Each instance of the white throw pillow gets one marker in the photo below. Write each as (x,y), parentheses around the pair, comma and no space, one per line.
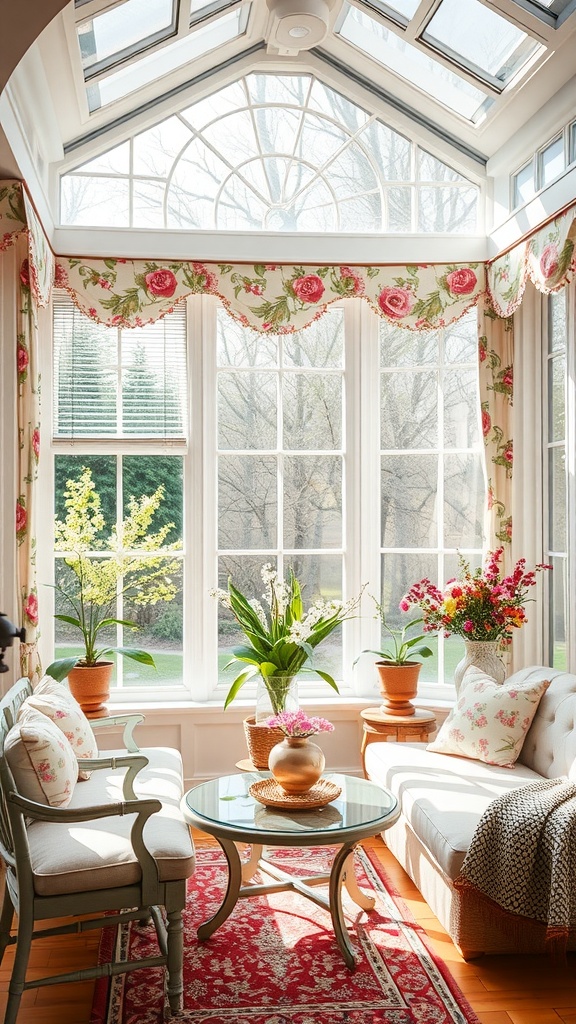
(41,759)
(490,720)
(55,700)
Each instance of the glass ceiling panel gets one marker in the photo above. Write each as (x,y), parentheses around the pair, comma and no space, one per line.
(406,8)
(154,65)
(412,64)
(480,37)
(126,27)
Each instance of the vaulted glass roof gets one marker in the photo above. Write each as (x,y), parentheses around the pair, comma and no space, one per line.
(457,77)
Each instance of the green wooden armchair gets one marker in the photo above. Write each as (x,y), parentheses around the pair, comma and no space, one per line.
(108,850)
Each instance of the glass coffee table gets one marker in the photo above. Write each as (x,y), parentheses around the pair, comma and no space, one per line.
(225,809)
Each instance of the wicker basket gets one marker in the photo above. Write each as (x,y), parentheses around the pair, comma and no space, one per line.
(260,739)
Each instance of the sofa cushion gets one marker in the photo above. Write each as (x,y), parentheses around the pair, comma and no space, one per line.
(41,759)
(489,721)
(442,797)
(58,704)
(98,854)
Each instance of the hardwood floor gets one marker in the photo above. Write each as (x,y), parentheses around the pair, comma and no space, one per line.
(502,990)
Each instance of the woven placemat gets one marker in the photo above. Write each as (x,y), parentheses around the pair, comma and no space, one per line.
(269,793)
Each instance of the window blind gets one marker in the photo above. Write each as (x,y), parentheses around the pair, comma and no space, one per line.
(119,382)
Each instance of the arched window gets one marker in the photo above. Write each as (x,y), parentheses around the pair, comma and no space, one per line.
(271,153)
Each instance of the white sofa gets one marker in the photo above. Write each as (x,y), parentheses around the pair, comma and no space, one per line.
(443,797)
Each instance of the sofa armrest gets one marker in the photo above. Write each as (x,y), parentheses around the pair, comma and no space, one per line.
(133,762)
(128,721)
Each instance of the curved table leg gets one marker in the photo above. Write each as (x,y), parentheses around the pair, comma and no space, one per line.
(230,899)
(250,866)
(356,895)
(339,863)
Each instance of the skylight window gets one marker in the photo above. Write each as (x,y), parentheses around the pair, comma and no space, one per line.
(161,62)
(124,29)
(393,52)
(405,8)
(477,37)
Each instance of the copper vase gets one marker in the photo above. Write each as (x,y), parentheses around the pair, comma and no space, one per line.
(296,764)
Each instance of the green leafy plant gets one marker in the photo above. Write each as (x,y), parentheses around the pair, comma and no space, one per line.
(402,648)
(282,638)
(91,592)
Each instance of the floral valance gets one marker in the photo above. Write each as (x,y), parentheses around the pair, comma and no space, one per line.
(270,297)
(548,258)
(17,215)
(281,298)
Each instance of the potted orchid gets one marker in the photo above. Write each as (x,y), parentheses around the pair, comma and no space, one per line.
(397,669)
(281,635)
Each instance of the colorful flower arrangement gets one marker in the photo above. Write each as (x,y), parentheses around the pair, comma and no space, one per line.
(282,637)
(480,604)
(297,723)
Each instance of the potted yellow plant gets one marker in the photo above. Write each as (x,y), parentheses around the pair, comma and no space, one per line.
(91,590)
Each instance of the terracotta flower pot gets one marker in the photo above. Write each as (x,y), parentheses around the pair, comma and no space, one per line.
(90,685)
(398,684)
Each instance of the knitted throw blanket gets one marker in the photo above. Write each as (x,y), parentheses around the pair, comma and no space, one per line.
(521,865)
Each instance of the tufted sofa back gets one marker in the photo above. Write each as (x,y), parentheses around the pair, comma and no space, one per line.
(550,744)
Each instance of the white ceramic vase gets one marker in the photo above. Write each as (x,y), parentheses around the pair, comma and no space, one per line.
(483,654)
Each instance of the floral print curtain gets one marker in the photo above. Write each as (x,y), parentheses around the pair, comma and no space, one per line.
(19,226)
(496,362)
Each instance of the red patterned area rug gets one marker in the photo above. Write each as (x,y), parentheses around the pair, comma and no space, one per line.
(275,960)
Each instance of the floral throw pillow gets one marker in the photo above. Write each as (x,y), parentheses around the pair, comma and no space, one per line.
(41,759)
(55,701)
(490,721)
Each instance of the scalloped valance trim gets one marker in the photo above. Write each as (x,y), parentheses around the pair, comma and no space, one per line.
(547,258)
(270,298)
(280,298)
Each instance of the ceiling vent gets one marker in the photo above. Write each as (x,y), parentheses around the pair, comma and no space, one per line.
(297,24)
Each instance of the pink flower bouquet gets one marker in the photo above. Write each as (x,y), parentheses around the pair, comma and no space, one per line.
(297,723)
(479,605)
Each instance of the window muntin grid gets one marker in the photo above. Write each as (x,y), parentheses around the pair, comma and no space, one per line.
(276,153)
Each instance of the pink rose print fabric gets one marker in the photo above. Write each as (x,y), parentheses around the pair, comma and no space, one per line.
(57,703)
(41,759)
(490,721)
(269,297)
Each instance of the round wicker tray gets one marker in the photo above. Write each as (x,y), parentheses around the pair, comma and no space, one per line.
(269,793)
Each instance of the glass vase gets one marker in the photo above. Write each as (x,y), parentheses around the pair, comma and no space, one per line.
(483,654)
(275,694)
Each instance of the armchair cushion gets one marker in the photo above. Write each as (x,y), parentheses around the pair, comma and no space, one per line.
(97,855)
(41,759)
(58,704)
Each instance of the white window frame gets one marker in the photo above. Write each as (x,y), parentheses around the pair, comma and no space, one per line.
(361,511)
